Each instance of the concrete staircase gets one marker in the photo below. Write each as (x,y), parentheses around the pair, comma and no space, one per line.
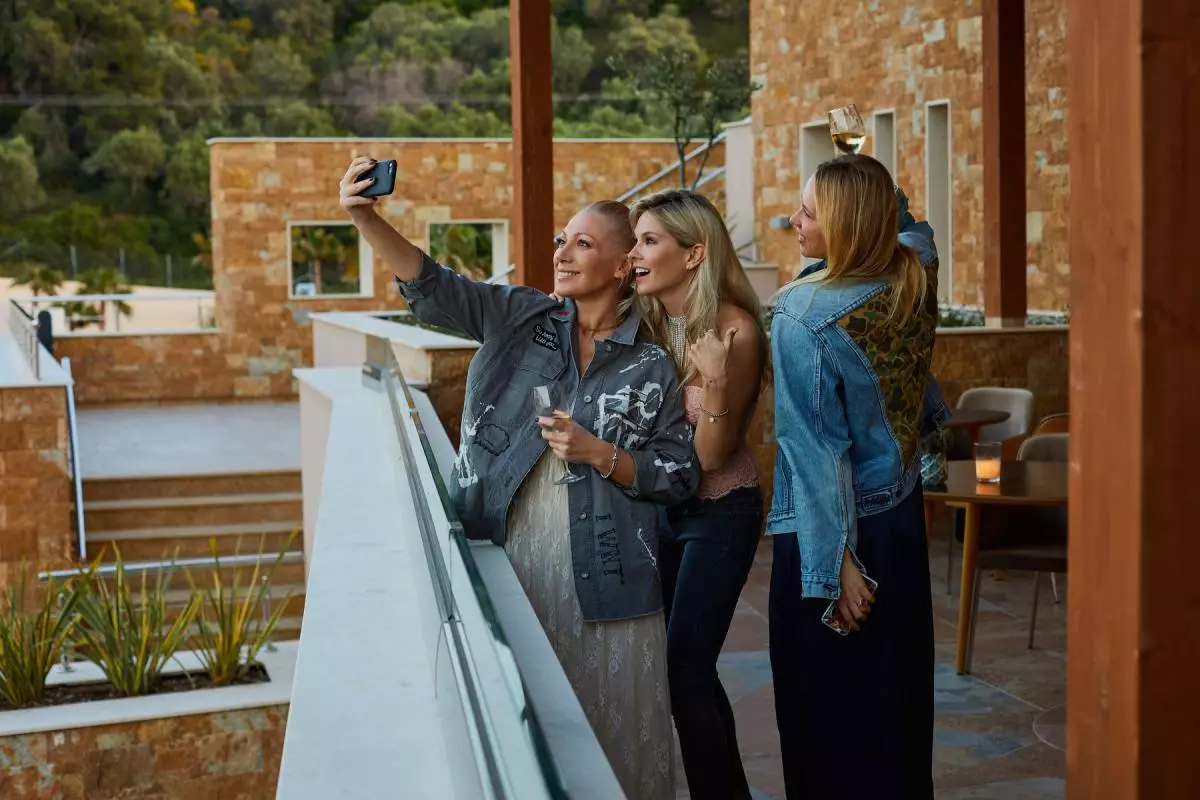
(157,518)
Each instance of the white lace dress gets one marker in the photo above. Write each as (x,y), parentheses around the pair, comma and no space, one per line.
(618,669)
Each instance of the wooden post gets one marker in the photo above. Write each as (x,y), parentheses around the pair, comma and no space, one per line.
(1132,695)
(1004,253)
(533,143)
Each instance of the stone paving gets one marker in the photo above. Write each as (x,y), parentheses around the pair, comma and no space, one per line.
(999,731)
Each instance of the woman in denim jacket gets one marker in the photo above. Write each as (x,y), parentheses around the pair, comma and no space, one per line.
(697,302)
(586,553)
(852,345)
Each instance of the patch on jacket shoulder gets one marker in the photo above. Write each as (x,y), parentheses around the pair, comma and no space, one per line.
(545,338)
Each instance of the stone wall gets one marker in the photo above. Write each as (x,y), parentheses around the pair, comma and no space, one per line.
(231,754)
(35,484)
(259,185)
(1031,358)
(902,54)
(152,367)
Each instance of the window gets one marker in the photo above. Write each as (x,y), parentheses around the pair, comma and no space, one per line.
(816,147)
(477,249)
(938,193)
(328,259)
(884,135)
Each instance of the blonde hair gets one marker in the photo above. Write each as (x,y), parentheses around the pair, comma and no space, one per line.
(617,214)
(856,209)
(691,219)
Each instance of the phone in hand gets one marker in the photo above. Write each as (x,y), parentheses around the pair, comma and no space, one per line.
(833,620)
(384,173)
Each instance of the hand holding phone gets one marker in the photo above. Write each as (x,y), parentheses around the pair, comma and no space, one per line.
(833,620)
(383,175)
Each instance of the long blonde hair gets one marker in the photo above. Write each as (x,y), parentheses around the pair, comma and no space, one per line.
(856,209)
(691,219)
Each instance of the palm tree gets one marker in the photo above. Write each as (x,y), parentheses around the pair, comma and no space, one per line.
(41,279)
(315,247)
(107,280)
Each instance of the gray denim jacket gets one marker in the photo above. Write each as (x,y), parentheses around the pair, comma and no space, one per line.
(630,396)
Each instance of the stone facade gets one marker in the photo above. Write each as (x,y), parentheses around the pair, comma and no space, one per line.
(900,55)
(258,186)
(35,483)
(232,755)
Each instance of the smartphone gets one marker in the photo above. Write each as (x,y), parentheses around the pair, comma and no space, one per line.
(833,621)
(384,173)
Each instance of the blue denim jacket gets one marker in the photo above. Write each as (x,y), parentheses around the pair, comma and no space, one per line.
(852,400)
(629,396)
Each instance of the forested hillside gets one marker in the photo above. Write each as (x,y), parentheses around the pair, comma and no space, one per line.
(105,105)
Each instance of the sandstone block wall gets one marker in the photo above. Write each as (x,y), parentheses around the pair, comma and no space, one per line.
(258,186)
(35,483)
(231,755)
(902,54)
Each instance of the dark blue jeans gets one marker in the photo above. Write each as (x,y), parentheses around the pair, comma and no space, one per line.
(705,554)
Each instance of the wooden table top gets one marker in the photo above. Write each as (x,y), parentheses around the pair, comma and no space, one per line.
(975,417)
(1022,483)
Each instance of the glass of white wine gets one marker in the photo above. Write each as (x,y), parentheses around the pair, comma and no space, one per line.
(543,406)
(847,128)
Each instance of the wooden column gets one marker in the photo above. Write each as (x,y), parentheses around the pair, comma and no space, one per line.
(533,143)
(1134,646)
(1004,254)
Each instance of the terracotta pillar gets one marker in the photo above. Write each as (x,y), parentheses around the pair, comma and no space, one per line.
(1134,649)
(533,142)
(1004,162)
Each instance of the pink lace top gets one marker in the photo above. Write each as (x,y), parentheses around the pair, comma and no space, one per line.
(739,469)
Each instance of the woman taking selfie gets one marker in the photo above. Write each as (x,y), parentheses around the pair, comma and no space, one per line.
(852,344)
(696,301)
(577,519)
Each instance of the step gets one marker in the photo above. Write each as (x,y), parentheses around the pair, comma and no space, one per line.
(291,573)
(102,489)
(163,512)
(177,598)
(159,549)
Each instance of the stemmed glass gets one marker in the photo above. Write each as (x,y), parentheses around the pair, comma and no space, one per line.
(543,406)
(847,129)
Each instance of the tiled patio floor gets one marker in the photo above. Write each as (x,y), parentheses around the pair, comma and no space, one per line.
(999,731)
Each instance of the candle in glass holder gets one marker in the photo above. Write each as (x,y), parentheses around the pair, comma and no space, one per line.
(987,462)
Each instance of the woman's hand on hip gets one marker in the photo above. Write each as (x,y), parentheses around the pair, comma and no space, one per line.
(709,354)
(855,602)
(570,442)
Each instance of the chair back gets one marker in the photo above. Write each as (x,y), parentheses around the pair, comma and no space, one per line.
(1054,423)
(1044,447)
(1017,402)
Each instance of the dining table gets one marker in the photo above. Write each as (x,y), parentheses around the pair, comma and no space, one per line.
(972,420)
(1022,483)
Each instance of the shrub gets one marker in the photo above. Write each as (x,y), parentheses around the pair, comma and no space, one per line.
(31,639)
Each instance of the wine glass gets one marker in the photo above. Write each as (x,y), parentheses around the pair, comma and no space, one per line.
(847,129)
(543,406)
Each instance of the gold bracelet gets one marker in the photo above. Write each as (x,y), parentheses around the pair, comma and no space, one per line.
(713,415)
(613,466)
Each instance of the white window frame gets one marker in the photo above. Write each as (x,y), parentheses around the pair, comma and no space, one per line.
(366,263)
(889,157)
(500,230)
(943,230)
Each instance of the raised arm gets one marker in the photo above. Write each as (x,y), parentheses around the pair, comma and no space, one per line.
(436,294)
(728,363)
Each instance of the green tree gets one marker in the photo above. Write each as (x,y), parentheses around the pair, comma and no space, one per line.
(133,156)
(664,64)
(276,70)
(187,174)
(41,279)
(106,280)
(298,118)
(19,177)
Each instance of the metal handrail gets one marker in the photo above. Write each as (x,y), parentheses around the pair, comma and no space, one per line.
(196,294)
(665,171)
(381,370)
(76,472)
(24,330)
(139,567)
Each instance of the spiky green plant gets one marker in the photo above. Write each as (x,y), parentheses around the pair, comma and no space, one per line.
(32,634)
(230,628)
(130,637)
